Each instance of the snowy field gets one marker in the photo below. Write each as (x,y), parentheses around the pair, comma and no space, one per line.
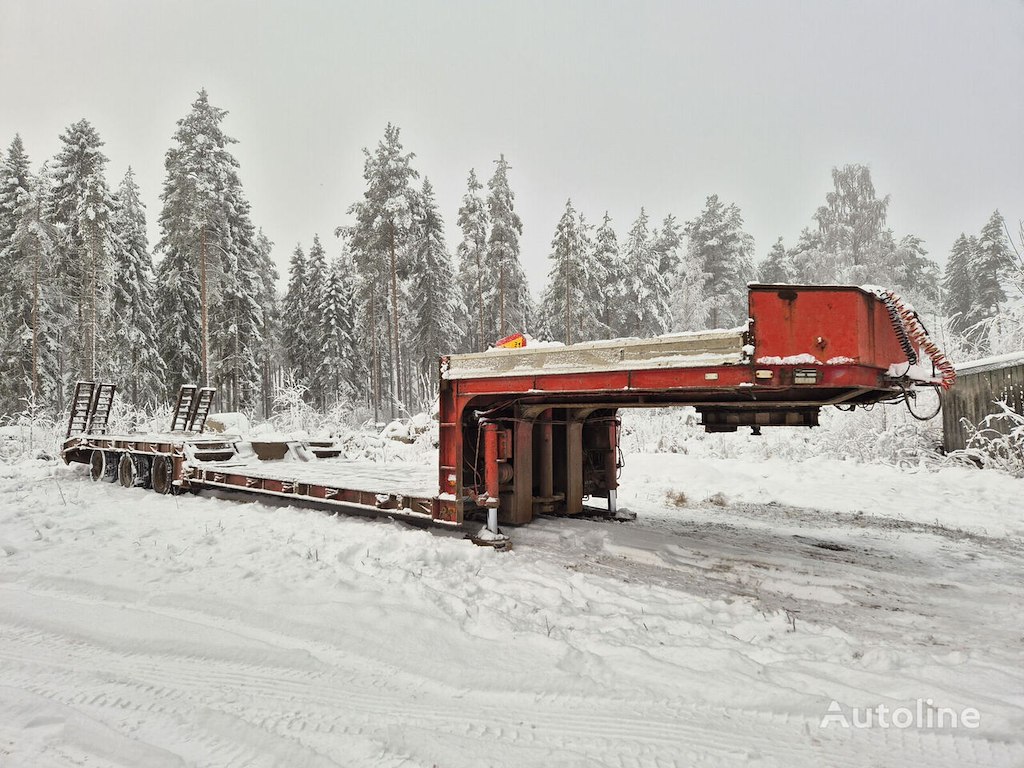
(716,630)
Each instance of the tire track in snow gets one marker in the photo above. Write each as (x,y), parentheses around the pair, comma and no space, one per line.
(709,728)
(296,705)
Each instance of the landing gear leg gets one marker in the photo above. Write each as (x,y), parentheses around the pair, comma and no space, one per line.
(491,536)
(614,512)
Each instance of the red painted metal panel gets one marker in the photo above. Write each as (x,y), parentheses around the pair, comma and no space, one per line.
(825,322)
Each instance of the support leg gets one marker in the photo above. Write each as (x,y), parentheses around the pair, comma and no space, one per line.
(574,465)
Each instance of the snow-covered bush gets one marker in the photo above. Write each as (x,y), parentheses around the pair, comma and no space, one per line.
(127,419)
(293,413)
(31,433)
(995,448)
(883,434)
(409,430)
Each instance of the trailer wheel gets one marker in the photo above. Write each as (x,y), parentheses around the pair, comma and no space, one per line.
(163,474)
(143,471)
(133,471)
(103,466)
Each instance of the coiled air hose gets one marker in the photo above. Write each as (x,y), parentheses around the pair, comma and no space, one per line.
(909,329)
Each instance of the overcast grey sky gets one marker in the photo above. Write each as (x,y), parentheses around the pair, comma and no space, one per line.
(615,104)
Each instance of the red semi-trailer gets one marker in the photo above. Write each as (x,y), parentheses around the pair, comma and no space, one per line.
(534,430)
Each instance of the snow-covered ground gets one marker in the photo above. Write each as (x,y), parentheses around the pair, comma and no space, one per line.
(716,630)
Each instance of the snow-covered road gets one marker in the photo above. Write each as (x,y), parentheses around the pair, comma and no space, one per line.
(139,630)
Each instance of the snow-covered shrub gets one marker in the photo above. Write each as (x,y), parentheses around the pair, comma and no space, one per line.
(33,433)
(228,422)
(409,430)
(883,434)
(994,448)
(293,413)
(127,419)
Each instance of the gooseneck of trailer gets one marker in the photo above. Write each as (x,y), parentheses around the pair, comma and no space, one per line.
(535,430)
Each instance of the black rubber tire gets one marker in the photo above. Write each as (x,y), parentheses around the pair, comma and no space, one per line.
(96,465)
(128,471)
(163,475)
(143,471)
(103,466)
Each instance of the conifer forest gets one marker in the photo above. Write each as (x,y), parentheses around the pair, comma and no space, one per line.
(364,311)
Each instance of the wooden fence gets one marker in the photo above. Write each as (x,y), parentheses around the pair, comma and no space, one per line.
(978,386)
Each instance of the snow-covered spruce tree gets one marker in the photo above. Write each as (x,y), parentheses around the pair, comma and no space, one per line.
(269,353)
(569,311)
(991,264)
(910,272)
(506,292)
(689,302)
(135,362)
(81,207)
(316,287)
(666,242)
(472,260)
(958,286)
(434,299)
(295,319)
(379,239)
(193,227)
(237,311)
(209,251)
(812,264)
(32,373)
(607,287)
(339,362)
(777,266)
(15,178)
(645,298)
(721,249)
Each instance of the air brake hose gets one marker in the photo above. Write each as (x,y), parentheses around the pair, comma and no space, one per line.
(911,326)
(890,300)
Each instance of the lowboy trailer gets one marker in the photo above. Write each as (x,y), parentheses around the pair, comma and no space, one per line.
(535,430)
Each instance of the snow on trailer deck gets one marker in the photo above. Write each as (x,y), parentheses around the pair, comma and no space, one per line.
(676,350)
(406,478)
(303,472)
